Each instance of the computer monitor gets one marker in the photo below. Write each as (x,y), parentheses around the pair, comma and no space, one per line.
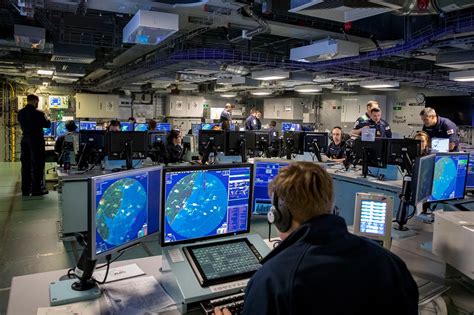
(163,127)
(87,125)
(236,139)
(321,138)
(290,126)
(126,126)
(203,202)
(91,147)
(157,136)
(470,173)
(403,152)
(373,217)
(140,127)
(48,132)
(208,126)
(450,174)
(124,209)
(121,143)
(217,136)
(375,153)
(60,128)
(264,172)
(294,142)
(195,129)
(422,180)
(439,145)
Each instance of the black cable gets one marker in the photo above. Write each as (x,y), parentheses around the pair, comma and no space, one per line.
(270,234)
(108,257)
(104,265)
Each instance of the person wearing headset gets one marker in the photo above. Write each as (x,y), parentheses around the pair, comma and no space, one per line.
(319,267)
(337,147)
(425,142)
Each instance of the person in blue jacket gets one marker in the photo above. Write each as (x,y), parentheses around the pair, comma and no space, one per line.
(440,127)
(319,267)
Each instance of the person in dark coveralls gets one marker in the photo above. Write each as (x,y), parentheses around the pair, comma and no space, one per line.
(32,122)
(382,128)
(337,148)
(319,267)
(440,127)
(174,147)
(226,117)
(251,121)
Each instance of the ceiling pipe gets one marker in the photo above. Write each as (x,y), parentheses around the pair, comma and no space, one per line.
(263,27)
(426,7)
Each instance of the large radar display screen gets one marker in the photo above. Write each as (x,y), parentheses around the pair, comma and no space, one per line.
(450,174)
(203,203)
(126,208)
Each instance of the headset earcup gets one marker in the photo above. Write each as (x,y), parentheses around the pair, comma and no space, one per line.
(280,217)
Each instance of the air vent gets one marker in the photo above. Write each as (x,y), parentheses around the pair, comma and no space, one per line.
(73,54)
(70,59)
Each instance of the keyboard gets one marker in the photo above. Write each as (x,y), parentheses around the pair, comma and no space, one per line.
(234,303)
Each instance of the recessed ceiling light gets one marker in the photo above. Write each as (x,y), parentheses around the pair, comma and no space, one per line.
(261,92)
(462,76)
(308,89)
(270,75)
(377,84)
(228,95)
(45,72)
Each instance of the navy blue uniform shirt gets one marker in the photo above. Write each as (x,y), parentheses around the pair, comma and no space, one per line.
(360,120)
(321,268)
(382,128)
(251,123)
(444,128)
(225,116)
(32,121)
(336,151)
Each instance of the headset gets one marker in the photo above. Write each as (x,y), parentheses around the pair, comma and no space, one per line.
(279,215)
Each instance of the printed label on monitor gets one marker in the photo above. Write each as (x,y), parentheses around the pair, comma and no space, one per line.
(372,217)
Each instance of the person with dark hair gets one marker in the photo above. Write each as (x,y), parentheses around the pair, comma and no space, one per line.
(251,121)
(59,145)
(382,128)
(259,122)
(114,125)
(152,124)
(226,116)
(440,127)
(131,119)
(174,147)
(318,263)
(33,154)
(225,125)
(272,128)
(425,142)
(364,118)
(337,147)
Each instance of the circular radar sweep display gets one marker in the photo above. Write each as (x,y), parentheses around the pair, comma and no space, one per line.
(121,212)
(197,205)
(444,178)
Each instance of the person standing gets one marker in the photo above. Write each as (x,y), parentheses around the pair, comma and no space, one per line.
(364,118)
(440,127)
(259,122)
(251,121)
(382,128)
(226,117)
(32,122)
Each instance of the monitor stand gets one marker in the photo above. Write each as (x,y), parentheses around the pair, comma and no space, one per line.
(180,281)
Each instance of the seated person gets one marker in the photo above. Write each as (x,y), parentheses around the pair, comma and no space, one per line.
(114,125)
(425,142)
(152,124)
(59,145)
(174,148)
(319,267)
(337,148)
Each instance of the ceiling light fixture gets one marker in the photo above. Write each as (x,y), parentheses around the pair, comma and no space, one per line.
(462,76)
(228,95)
(377,84)
(261,92)
(270,75)
(44,72)
(308,89)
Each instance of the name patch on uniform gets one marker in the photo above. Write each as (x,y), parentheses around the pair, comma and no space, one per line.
(450,131)
(387,127)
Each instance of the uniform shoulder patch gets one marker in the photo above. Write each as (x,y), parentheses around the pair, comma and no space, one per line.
(450,131)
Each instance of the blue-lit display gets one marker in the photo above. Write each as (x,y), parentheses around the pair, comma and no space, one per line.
(372,217)
(264,173)
(127,208)
(470,172)
(55,101)
(163,126)
(87,125)
(48,132)
(209,126)
(59,128)
(195,129)
(126,126)
(204,203)
(141,127)
(450,174)
(289,126)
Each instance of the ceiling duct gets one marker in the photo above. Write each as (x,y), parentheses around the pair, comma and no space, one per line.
(29,36)
(417,7)
(456,60)
(67,53)
(338,10)
(182,3)
(262,28)
(325,49)
(150,27)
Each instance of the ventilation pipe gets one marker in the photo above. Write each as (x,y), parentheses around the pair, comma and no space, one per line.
(263,27)
(421,7)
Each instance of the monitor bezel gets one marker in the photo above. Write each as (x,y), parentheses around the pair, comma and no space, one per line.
(135,127)
(324,148)
(91,223)
(204,168)
(469,188)
(465,178)
(416,178)
(264,160)
(87,121)
(386,237)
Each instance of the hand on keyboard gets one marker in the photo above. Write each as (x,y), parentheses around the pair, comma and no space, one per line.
(224,311)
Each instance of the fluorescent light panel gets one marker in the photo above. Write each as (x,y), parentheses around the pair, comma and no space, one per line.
(462,76)
(228,95)
(308,89)
(261,92)
(270,75)
(379,84)
(45,72)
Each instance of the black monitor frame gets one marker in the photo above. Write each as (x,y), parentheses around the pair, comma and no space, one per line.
(202,168)
(126,145)
(294,143)
(403,152)
(371,153)
(91,147)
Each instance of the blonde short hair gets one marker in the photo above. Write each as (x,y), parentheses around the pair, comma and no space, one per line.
(306,190)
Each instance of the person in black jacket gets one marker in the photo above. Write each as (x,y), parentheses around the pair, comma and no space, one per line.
(59,144)
(319,267)
(174,147)
(32,122)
